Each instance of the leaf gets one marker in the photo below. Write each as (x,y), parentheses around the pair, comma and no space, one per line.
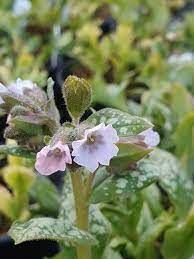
(67,208)
(160,166)
(46,195)
(6,204)
(18,178)
(124,123)
(172,178)
(179,240)
(130,182)
(128,154)
(17,151)
(32,124)
(49,228)
(51,106)
(100,229)
(181,101)
(111,254)
(183,136)
(11,99)
(145,248)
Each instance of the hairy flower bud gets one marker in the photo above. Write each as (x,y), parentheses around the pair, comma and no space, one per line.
(77,95)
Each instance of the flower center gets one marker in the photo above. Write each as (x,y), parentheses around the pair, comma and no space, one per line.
(91,139)
(57,152)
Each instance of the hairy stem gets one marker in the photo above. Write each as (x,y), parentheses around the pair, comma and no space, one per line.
(82,212)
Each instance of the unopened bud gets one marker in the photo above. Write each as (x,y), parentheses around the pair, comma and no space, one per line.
(77,95)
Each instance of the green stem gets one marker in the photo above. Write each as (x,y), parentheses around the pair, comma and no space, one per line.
(82,213)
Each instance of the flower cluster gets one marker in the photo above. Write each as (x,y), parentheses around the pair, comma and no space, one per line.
(97,147)
(17,87)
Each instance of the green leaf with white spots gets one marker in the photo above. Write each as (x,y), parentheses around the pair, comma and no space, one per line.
(159,166)
(49,228)
(100,228)
(124,123)
(67,208)
(172,178)
(16,151)
(46,196)
(124,185)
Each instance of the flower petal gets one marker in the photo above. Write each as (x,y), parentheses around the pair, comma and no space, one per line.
(151,138)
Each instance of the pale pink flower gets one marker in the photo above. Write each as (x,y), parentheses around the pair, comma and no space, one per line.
(51,159)
(97,147)
(151,137)
(16,87)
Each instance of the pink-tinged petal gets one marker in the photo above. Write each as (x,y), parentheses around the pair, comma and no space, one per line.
(67,157)
(151,138)
(52,159)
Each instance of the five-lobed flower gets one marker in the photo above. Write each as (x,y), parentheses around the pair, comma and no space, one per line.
(97,147)
(51,159)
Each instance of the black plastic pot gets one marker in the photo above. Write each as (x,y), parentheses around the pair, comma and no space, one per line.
(30,250)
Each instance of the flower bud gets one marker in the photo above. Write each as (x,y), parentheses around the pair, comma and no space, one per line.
(77,95)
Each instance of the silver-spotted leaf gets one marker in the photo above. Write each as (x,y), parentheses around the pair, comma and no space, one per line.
(16,151)
(124,185)
(124,123)
(49,228)
(172,178)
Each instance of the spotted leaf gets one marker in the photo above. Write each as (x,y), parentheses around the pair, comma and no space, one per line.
(124,123)
(16,151)
(49,228)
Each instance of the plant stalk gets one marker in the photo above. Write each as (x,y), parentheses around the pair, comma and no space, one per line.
(82,212)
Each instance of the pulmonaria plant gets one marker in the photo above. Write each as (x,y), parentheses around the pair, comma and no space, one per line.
(108,139)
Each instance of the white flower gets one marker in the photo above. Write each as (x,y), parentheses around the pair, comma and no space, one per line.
(97,147)
(19,85)
(151,138)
